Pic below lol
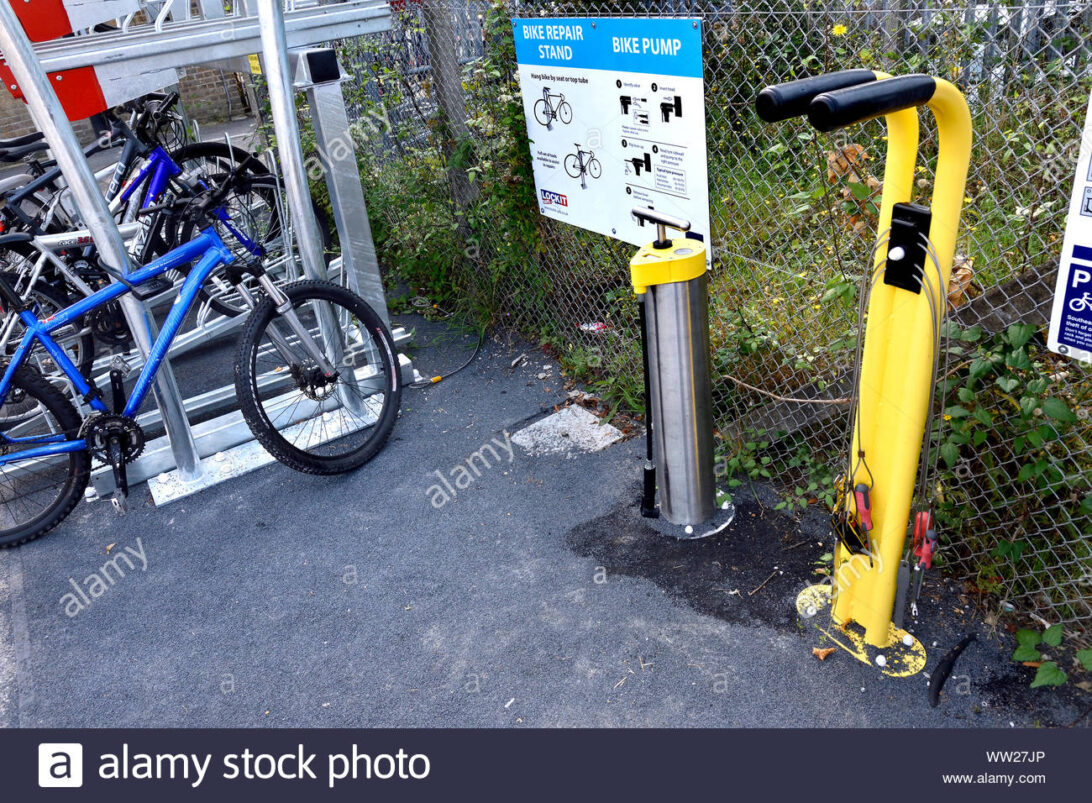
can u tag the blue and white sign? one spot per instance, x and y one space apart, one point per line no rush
1071 317
616 115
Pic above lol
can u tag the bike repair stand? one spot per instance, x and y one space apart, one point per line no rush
894 392
671 281
158 46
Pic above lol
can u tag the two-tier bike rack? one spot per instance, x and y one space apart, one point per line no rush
149 45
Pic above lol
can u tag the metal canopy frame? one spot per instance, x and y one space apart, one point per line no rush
144 48
176 34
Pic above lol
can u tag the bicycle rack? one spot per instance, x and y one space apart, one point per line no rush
168 36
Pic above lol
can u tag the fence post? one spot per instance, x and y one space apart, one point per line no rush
448 85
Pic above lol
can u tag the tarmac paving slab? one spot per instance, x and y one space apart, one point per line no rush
530 594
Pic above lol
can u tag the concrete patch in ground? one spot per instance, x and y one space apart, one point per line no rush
571 429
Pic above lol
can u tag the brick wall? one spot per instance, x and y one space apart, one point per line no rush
211 96
205 95
15 119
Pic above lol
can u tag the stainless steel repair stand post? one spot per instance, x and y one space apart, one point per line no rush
51 120
671 278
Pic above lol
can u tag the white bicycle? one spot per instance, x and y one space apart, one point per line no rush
1081 304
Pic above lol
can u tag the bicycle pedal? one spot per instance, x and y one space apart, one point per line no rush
120 503
121 365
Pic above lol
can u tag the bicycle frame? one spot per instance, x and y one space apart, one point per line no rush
209 252
158 170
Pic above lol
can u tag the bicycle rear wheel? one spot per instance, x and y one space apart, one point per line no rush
542 112
36 494
311 422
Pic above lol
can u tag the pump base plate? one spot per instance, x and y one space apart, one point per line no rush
902 657
720 519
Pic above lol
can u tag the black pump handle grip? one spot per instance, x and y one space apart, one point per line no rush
782 101
840 108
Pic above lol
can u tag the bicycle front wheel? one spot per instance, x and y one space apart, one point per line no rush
572 165
565 112
311 421
595 169
36 494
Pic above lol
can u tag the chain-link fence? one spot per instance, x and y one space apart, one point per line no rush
793 221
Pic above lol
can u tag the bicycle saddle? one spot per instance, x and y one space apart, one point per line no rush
21 152
18 142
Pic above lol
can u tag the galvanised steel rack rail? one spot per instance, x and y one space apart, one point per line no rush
148 43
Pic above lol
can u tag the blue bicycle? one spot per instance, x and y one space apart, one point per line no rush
315 373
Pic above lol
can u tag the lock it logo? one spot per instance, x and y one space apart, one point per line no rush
554 198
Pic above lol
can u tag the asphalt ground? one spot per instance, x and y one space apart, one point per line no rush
535 596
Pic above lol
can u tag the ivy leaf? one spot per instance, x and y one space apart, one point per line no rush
979 437
1037 385
958 412
983 416
972 334
1052 636
859 191
979 368
1008 383
1019 360
1049 675
1027 638
1058 410
1023 653
1019 333
1085 657
1028 405
950 452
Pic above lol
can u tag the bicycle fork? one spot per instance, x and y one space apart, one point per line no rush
327 326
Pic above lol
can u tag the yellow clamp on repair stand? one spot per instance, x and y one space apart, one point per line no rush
681 261
856 609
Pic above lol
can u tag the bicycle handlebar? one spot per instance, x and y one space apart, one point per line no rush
782 101
837 109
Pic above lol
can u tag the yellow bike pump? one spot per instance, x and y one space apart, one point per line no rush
914 253
672 287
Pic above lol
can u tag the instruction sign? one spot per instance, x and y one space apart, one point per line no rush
1071 317
616 115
